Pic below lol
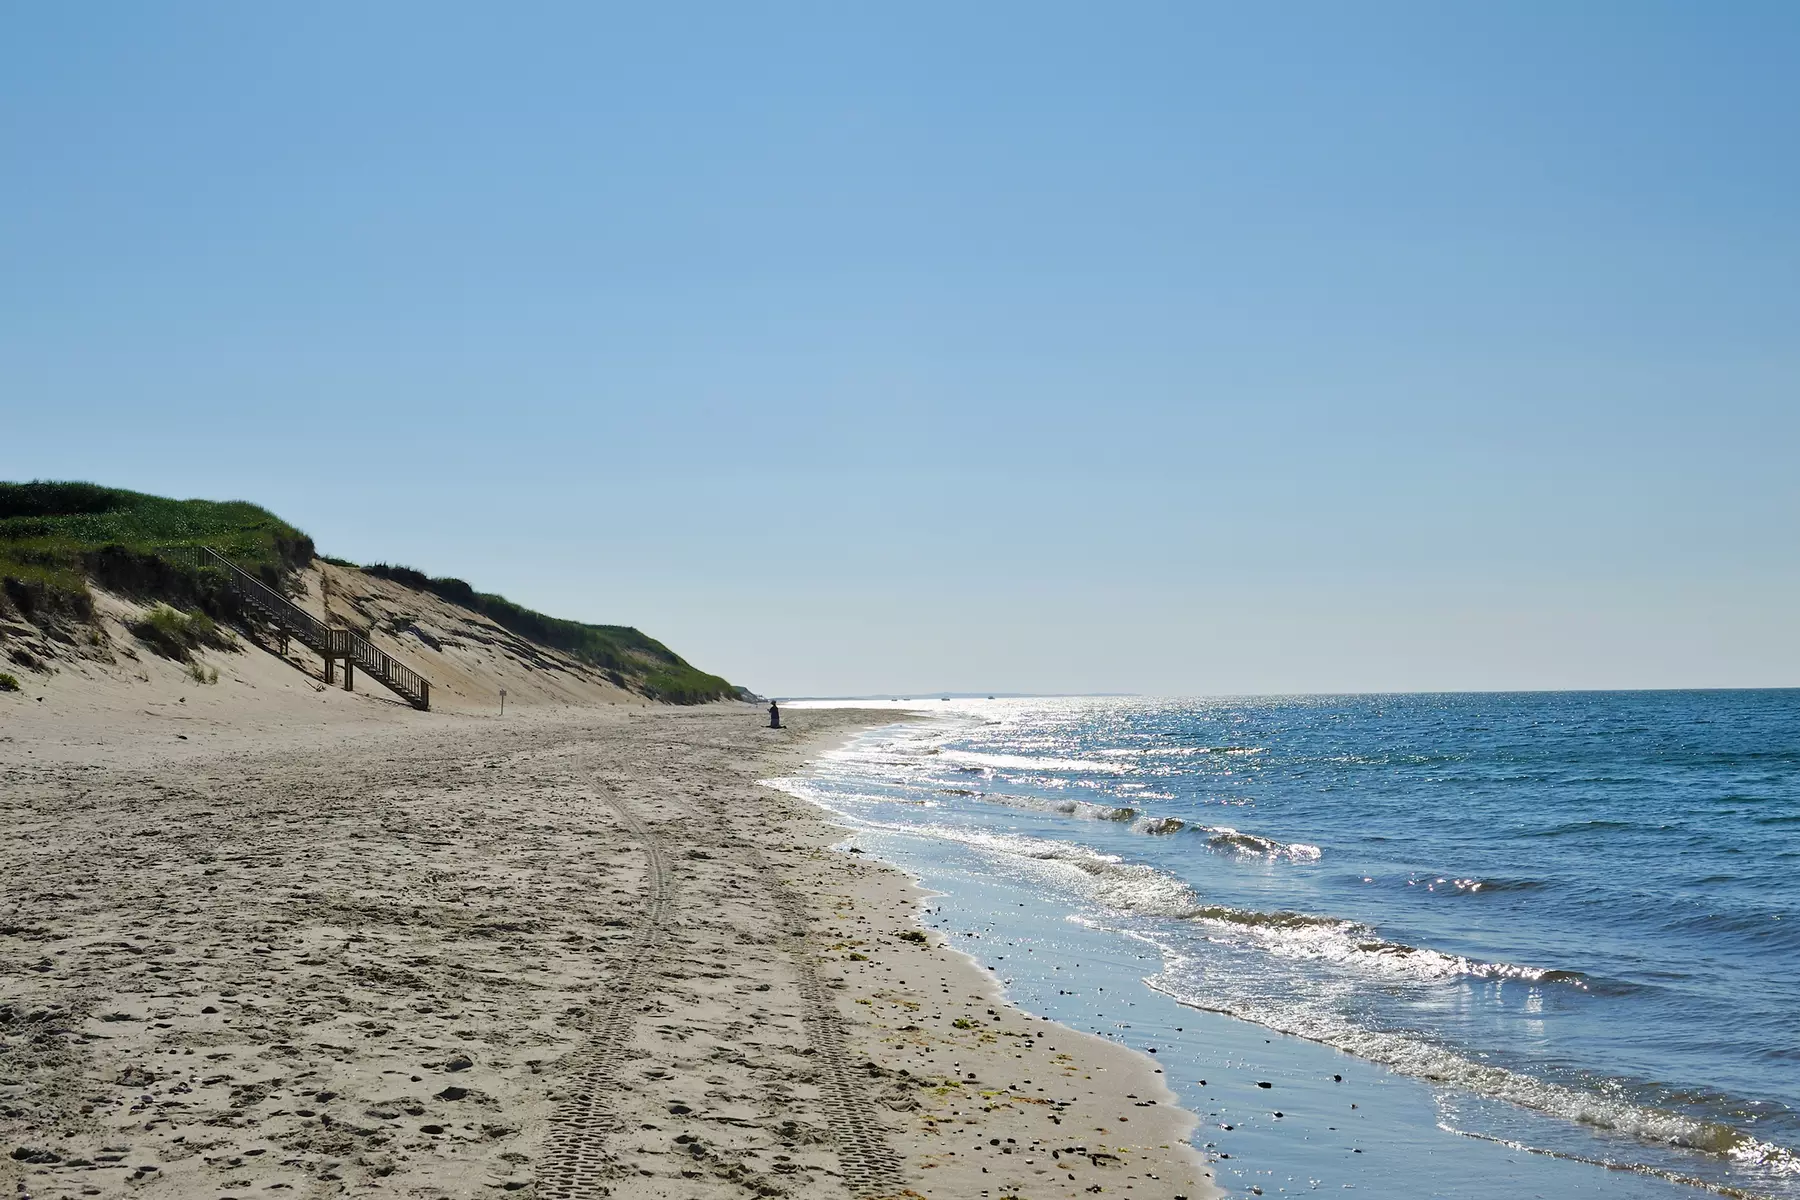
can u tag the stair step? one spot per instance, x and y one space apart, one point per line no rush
313 634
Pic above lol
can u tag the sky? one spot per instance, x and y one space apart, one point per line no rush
1188 348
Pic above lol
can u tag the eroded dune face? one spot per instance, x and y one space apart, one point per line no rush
467 656
94 660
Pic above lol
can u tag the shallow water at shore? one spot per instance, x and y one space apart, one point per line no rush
1533 930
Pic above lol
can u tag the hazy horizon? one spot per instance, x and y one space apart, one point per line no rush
929 696
1166 349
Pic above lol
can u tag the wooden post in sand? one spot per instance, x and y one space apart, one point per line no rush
349 673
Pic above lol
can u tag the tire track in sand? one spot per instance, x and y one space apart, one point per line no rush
576 1163
870 1167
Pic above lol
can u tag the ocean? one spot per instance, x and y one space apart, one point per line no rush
1474 945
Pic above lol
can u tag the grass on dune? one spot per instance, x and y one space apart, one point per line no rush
54 536
175 634
622 651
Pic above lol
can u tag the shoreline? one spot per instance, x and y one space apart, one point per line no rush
1012 814
1068 1110
569 951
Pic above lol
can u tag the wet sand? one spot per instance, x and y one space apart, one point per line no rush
573 952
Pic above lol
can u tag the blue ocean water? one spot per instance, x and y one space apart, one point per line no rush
1506 944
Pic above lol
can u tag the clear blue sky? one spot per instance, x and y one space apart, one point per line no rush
1158 347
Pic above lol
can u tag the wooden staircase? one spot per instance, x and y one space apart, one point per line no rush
333 645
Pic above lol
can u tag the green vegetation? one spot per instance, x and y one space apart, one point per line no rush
175 634
201 674
56 536
8 683
630 658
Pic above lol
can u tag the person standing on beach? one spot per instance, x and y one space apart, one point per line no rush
774 715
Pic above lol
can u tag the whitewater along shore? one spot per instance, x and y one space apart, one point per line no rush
572 952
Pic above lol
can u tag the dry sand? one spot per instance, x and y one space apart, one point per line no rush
284 942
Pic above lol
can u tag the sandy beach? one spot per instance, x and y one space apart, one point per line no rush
345 948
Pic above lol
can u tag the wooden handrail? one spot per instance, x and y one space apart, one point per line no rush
332 643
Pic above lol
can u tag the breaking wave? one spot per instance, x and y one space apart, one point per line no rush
1025 762
1178 751
1218 837
1127 887
1226 838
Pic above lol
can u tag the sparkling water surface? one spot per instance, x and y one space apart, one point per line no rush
1537 934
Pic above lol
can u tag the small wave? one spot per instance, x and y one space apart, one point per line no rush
1223 837
1045 804
1351 944
1253 919
1023 762
1410 1055
1469 886
1218 837
1472 886
1114 883
1178 751
1436 962
1655 1172
1111 882
1105 879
